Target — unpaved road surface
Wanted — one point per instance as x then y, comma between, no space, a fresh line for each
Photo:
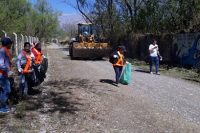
78,96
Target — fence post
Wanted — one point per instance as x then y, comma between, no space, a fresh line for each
33,40
26,38
22,42
16,47
5,34
37,39
29,38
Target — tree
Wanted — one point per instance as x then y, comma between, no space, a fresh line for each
118,18
19,16
12,14
47,20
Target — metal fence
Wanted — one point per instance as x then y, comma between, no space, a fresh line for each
18,41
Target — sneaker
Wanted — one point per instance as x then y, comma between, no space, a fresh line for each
151,72
4,109
116,84
157,73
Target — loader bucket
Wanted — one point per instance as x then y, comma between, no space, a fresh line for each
90,51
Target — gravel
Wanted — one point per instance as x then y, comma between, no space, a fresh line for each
78,96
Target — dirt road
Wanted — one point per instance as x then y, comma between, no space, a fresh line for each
78,96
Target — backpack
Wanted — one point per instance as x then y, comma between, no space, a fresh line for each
113,58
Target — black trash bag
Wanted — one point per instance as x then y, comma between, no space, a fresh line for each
114,57
44,67
32,79
40,71
14,94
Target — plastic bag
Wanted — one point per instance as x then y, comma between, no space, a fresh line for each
126,75
114,57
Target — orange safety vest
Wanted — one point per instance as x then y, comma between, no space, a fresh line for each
28,62
8,53
120,61
38,56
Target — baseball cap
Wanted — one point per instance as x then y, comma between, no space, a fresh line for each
123,48
6,41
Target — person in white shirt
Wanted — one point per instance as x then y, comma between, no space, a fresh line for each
154,56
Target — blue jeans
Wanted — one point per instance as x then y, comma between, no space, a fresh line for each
23,85
5,89
118,71
154,60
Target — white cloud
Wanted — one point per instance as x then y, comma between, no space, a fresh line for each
68,14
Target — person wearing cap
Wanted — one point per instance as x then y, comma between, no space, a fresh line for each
5,73
24,64
118,66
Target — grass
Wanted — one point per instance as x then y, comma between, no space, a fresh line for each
20,110
178,72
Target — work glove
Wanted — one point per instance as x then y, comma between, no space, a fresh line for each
31,70
161,58
44,56
10,73
20,70
127,62
115,56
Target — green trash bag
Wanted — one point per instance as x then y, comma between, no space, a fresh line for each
126,75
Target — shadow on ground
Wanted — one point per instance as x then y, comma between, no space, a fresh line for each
61,96
66,57
108,81
142,71
194,79
88,59
64,49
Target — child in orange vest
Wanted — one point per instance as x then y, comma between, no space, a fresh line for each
24,65
118,66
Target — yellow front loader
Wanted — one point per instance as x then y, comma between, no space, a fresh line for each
86,46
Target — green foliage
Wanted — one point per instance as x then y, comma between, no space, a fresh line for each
119,18
22,17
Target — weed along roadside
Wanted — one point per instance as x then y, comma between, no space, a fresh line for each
177,72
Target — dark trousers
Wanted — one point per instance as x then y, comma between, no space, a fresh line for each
5,89
154,60
26,83
118,71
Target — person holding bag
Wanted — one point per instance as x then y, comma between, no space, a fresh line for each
119,63
25,68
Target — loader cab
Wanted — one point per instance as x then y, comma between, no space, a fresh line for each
86,29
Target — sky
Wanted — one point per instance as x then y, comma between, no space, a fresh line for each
59,5
68,13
